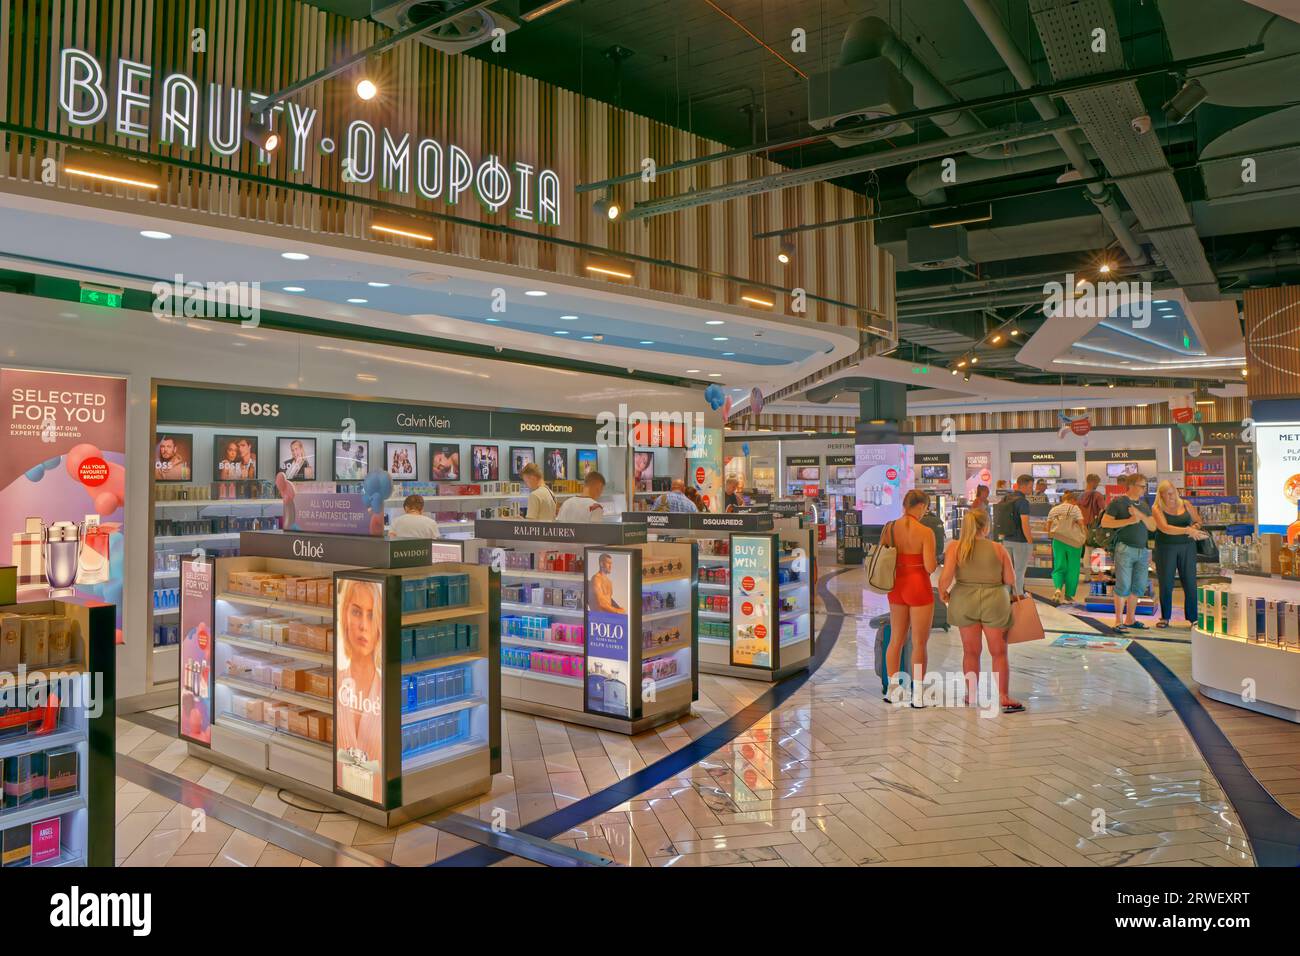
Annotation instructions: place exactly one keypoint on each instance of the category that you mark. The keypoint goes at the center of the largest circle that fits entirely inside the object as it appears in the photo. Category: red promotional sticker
(747, 583)
(747, 609)
(93, 472)
(760, 631)
(699, 476)
(891, 474)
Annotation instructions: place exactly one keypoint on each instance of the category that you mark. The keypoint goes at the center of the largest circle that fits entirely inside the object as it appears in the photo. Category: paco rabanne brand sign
(177, 112)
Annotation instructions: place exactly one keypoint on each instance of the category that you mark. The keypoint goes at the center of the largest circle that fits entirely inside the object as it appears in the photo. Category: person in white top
(541, 503)
(586, 506)
(413, 522)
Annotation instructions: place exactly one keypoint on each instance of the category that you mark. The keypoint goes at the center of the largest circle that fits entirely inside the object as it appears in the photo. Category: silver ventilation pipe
(991, 23)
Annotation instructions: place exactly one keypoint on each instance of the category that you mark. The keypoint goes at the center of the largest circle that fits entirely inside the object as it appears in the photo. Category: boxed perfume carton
(1236, 614)
(24, 779)
(60, 640)
(45, 843)
(1290, 627)
(11, 641)
(36, 640)
(8, 584)
(16, 846)
(62, 777)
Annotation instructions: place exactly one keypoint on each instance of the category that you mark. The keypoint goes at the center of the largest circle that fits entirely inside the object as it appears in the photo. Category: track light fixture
(974, 360)
(1182, 103)
(786, 252)
(1104, 268)
(261, 135)
(996, 339)
(607, 207)
(367, 87)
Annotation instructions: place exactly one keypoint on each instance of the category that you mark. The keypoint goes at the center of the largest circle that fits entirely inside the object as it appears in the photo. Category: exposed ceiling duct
(461, 33)
(991, 23)
(1066, 28)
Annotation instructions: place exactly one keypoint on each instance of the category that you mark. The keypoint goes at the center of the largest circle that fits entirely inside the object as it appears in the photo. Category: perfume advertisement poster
(63, 483)
(751, 601)
(1278, 479)
(358, 661)
(883, 474)
(609, 623)
(196, 651)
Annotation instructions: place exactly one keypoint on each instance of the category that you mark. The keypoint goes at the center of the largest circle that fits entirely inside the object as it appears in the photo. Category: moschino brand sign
(176, 111)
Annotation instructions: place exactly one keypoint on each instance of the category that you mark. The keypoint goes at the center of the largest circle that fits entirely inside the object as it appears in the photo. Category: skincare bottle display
(28, 555)
(62, 545)
(92, 559)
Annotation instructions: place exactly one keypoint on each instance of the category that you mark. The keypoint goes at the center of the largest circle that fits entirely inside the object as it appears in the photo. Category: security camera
(496, 348)
(1141, 124)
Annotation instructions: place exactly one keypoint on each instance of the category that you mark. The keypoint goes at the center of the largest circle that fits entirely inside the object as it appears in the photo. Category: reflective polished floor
(1100, 771)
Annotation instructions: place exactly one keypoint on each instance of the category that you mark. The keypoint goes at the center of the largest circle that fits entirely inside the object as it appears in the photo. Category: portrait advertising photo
(358, 662)
(173, 457)
(296, 458)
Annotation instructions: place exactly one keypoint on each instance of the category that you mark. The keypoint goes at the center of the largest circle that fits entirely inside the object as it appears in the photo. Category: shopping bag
(1025, 624)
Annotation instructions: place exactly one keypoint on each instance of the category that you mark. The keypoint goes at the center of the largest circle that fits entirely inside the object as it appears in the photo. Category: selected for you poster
(883, 474)
(609, 665)
(196, 651)
(63, 482)
(358, 661)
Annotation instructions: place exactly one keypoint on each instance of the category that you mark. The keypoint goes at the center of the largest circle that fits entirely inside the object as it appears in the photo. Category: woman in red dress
(911, 602)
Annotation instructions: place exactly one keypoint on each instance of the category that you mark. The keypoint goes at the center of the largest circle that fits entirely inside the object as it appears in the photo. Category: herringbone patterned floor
(1098, 772)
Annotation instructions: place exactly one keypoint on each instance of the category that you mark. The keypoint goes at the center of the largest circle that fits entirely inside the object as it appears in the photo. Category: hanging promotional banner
(978, 472)
(359, 628)
(63, 482)
(609, 621)
(752, 624)
(704, 466)
(196, 651)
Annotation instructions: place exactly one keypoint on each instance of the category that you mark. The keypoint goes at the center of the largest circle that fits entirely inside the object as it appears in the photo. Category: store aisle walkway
(1099, 772)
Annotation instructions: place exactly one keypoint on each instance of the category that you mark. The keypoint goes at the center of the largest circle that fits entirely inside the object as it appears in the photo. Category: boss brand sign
(177, 112)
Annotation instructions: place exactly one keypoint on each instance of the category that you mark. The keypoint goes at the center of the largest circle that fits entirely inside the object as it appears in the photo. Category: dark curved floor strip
(1273, 832)
(647, 778)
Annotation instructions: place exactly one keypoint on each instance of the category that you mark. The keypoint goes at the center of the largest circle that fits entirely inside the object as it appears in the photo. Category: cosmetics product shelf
(368, 680)
(57, 752)
(577, 603)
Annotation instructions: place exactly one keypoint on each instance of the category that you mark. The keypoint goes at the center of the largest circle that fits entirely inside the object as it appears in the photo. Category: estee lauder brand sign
(176, 112)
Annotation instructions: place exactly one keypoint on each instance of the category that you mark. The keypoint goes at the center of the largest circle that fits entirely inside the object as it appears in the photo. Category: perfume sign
(173, 110)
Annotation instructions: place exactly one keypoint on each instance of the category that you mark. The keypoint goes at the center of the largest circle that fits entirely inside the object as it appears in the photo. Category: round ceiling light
(294, 288)
(535, 293)
(378, 285)
(366, 89)
(155, 234)
(295, 256)
(358, 301)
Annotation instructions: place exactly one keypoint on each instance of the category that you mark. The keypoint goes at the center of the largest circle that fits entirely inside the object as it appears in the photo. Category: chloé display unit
(597, 624)
(359, 671)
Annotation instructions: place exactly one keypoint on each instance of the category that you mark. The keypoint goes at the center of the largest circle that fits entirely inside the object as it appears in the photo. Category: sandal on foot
(1016, 708)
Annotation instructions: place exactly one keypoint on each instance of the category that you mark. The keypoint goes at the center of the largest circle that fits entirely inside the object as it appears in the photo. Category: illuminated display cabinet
(365, 677)
(597, 623)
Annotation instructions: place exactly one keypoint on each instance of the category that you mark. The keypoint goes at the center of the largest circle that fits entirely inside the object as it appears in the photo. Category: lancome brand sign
(172, 110)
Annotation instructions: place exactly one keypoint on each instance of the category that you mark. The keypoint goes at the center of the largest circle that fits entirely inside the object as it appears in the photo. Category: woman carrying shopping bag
(1069, 532)
(977, 576)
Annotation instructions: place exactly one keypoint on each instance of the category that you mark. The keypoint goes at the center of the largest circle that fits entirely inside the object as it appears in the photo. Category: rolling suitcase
(883, 634)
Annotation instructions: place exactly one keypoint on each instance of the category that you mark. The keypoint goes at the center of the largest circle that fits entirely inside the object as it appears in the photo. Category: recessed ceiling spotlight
(367, 89)
(997, 339)
(358, 301)
(715, 322)
(294, 288)
(719, 338)
(1014, 332)
(568, 318)
(378, 285)
(494, 320)
(295, 256)
(366, 377)
(535, 293)
(1105, 268)
(560, 332)
(692, 371)
(728, 353)
(646, 342)
(587, 338)
(155, 234)
(1244, 373)
(715, 375)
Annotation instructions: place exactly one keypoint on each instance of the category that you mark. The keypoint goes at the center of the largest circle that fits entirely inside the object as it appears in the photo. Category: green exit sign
(109, 298)
(920, 370)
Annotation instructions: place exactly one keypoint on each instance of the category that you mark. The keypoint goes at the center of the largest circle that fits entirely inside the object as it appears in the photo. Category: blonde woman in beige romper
(977, 576)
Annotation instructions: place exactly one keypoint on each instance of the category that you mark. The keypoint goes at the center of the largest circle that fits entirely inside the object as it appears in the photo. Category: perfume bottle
(92, 558)
(28, 556)
(62, 545)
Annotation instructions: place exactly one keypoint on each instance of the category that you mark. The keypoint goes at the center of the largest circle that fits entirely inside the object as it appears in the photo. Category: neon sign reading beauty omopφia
(397, 161)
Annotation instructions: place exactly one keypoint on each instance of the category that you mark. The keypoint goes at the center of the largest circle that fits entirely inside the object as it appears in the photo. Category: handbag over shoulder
(882, 562)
